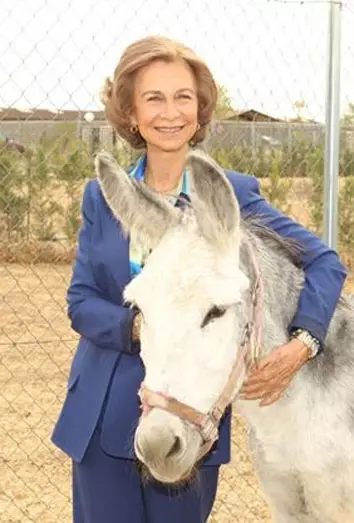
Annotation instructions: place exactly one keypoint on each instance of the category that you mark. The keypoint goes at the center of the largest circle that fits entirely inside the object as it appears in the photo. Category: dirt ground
(36, 345)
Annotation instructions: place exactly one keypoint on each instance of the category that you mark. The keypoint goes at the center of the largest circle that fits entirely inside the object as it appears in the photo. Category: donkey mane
(253, 225)
(290, 248)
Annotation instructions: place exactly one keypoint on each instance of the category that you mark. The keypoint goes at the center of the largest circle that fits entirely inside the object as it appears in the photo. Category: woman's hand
(136, 327)
(271, 376)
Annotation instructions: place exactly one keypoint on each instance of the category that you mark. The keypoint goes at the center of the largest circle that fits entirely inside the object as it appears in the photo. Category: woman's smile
(169, 129)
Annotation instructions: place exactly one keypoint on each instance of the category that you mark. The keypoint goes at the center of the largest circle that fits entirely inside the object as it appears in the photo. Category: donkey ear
(216, 207)
(141, 212)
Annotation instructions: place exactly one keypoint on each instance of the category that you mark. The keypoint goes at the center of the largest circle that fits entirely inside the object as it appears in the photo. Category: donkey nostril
(176, 447)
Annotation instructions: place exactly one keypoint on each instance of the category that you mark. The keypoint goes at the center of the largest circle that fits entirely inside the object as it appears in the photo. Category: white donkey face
(190, 294)
(190, 297)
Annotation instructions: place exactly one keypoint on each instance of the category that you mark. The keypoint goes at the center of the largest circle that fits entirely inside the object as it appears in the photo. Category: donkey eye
(214, 313)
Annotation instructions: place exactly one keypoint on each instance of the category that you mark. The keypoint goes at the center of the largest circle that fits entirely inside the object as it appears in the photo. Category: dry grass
(34, 251)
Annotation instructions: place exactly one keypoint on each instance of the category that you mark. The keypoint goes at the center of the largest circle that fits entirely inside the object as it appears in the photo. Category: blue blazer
(106, 370)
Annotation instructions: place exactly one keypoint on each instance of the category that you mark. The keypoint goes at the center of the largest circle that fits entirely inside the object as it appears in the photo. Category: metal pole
(332, 135)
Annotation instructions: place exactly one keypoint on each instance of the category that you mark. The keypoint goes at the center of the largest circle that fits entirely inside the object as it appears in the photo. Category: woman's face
(166, 105)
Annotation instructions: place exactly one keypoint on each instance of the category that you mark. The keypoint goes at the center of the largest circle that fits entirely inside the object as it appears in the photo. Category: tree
(300, 107)
(74, 165)
(13, 204)
(348, 117)
(224, 104)
(42, 211)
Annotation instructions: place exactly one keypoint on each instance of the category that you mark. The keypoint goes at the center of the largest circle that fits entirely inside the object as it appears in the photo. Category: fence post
(332, 133)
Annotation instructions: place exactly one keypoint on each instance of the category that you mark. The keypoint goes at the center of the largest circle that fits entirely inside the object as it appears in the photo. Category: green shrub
(316, 175)
(43, 210)
(41, 191)
(13, 200)
(346, 163)
(73, 167)
(277, 188)
(346, 219)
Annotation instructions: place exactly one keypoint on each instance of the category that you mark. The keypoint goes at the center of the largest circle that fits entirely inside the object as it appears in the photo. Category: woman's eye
(153, 99)
(214, 313)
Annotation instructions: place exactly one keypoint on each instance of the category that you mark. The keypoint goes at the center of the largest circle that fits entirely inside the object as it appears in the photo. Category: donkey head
(190, 294)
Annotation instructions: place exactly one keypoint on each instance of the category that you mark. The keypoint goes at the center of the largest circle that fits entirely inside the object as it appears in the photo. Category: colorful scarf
(137, 253)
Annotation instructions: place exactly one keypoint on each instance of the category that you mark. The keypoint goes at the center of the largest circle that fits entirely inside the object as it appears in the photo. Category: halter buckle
(209, 428)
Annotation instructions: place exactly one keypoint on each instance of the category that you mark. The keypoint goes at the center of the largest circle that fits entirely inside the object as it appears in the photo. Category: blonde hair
(117, 95)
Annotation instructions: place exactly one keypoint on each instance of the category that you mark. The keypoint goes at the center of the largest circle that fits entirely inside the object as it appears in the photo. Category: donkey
(212, 287)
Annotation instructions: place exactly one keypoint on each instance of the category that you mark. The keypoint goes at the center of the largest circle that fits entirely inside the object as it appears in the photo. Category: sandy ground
(36, 346)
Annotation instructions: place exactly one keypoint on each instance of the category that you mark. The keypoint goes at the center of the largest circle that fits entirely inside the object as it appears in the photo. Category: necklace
(165, 192)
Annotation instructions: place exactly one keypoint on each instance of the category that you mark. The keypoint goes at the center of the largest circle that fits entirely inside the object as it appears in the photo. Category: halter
(250, 346)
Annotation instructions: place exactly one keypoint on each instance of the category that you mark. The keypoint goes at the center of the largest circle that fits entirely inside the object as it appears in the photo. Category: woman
(162, 98)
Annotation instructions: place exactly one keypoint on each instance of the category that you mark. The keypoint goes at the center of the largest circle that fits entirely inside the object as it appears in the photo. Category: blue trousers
(110, 490)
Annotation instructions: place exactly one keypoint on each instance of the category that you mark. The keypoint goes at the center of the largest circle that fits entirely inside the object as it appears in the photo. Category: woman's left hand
(271, 376)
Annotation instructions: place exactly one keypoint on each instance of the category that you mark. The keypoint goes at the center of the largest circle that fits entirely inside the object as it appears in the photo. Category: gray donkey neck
(279, 262)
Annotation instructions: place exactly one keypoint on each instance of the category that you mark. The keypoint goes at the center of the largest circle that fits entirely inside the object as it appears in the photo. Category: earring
(192, 141)
(134, 129)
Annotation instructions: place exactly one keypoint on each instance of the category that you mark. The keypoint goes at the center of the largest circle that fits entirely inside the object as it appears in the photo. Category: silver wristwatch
(307, 339)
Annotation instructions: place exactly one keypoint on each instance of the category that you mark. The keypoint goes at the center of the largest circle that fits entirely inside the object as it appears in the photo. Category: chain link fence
(269, 58)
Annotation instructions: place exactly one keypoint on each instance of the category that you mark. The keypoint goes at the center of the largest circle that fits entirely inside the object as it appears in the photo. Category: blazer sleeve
(324, 272)
(105, 324)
